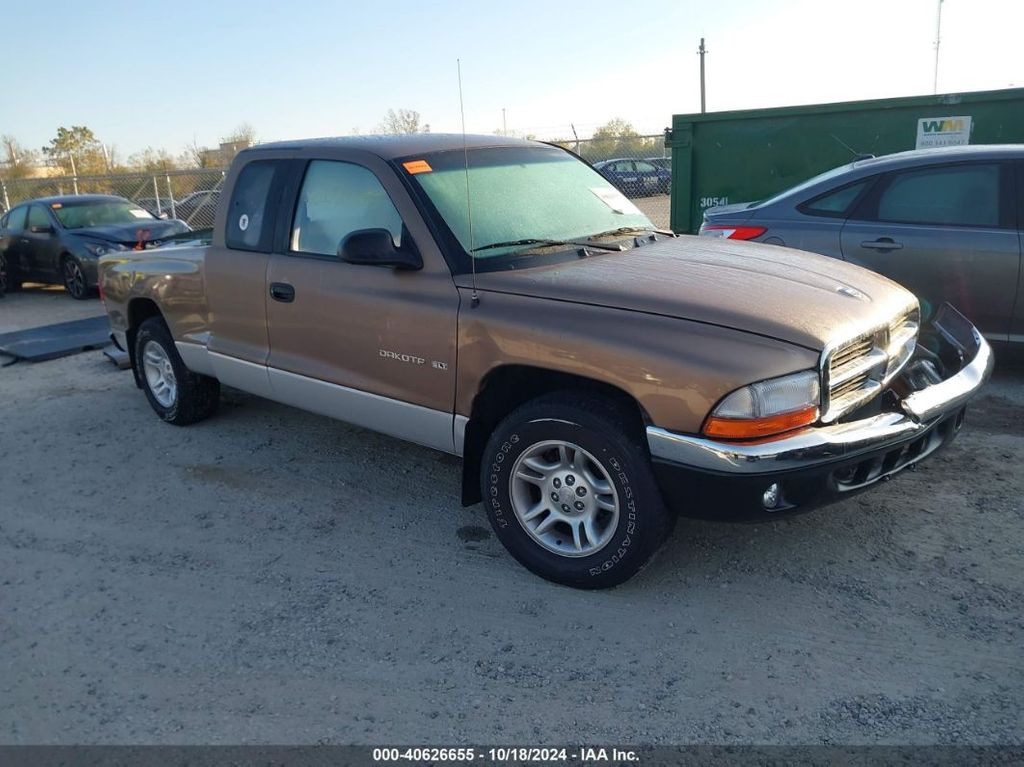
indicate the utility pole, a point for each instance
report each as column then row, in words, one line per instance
column 702, row 50
column 504, row 125
column 938, row 39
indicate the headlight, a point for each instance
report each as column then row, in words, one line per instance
column 767, row 408
column 102, row 248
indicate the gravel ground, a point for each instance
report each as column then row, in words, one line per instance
column 656, row 208
column 270, row 576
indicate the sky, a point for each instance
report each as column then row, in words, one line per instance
column 166, row 74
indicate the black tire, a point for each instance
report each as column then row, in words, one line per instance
column 3, row 275
column 73, row 274
column 196, row 396
column 601, row 429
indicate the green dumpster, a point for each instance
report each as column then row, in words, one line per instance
column 727, row 157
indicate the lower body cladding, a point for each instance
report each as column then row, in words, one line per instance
column 819, row 465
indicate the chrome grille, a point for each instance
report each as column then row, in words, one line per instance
column 855, row 371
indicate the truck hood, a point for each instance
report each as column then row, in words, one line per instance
column 782, row 293
column 132, row 233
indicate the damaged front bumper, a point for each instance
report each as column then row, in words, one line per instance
column 819, row 464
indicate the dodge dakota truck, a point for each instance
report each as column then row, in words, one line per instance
column 499, row 300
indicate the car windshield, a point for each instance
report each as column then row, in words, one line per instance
column 525, row 196
column 78, row 215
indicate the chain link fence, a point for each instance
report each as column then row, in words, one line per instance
column 189, row 195
column 640, row 166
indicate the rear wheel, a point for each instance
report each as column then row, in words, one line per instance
column 175, row 393
column 74, row 278
column 569, row 491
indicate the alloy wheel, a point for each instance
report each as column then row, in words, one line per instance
column 159, row 372
column 74, row 278
column 564, row 498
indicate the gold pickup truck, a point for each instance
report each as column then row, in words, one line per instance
column 499, row 300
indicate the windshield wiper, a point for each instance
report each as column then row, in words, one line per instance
column 631, row 230
column 537, row 241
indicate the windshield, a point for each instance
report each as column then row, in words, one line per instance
column 77, row 215
column 517, row 194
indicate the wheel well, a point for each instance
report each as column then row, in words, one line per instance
column 509, row 386
column 139, row 310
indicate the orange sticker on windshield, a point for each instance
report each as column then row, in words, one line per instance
column 56, row 205
column 417, row 166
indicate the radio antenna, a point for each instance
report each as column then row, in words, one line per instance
column 475, row 299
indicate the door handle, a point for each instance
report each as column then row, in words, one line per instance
column 882, row 243
column 282, row 291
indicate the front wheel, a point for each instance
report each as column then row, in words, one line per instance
column 175, row 393
column 74, row 279
column 569, row 491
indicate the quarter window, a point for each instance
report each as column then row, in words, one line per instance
column 339, row 198
column 248, row 210
column 16, row 222
column 837, row 203
column 959, row 195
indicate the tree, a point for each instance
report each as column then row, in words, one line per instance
column 616, row 138
column 515, row 134
column 17, row 161
column 150, row 159
column 244, row 135
column 76, row 151
column 194, row 156
column 402, row 121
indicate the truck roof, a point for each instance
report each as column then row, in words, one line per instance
column 391, row 146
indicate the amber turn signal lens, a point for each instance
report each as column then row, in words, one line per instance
column 756, row 428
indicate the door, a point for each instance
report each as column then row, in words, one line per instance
column 1017, row 324
column 648, row 181
column 235, row 275
column 946, row 233
column 368, row 344
column 40, row 249
column 12, row 226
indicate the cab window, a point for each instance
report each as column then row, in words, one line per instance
column 247, row 218
column 338, row 198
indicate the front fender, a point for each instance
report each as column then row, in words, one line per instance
column 677, row 370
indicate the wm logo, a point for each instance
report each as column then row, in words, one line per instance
column 942, row 126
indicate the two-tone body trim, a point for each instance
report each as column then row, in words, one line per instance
column 424, row 426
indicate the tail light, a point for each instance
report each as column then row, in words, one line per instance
column 729, row 232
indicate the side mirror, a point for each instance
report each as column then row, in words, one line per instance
column 375, row 247
column 41, row 230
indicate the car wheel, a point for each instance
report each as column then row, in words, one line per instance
column 74, row 278
column 3, row 275
column 569, row 491
column 175, row 393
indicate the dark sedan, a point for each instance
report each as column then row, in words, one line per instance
column 637, row 178
column 945, row 223
column 198, row 208
column 59, row 239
